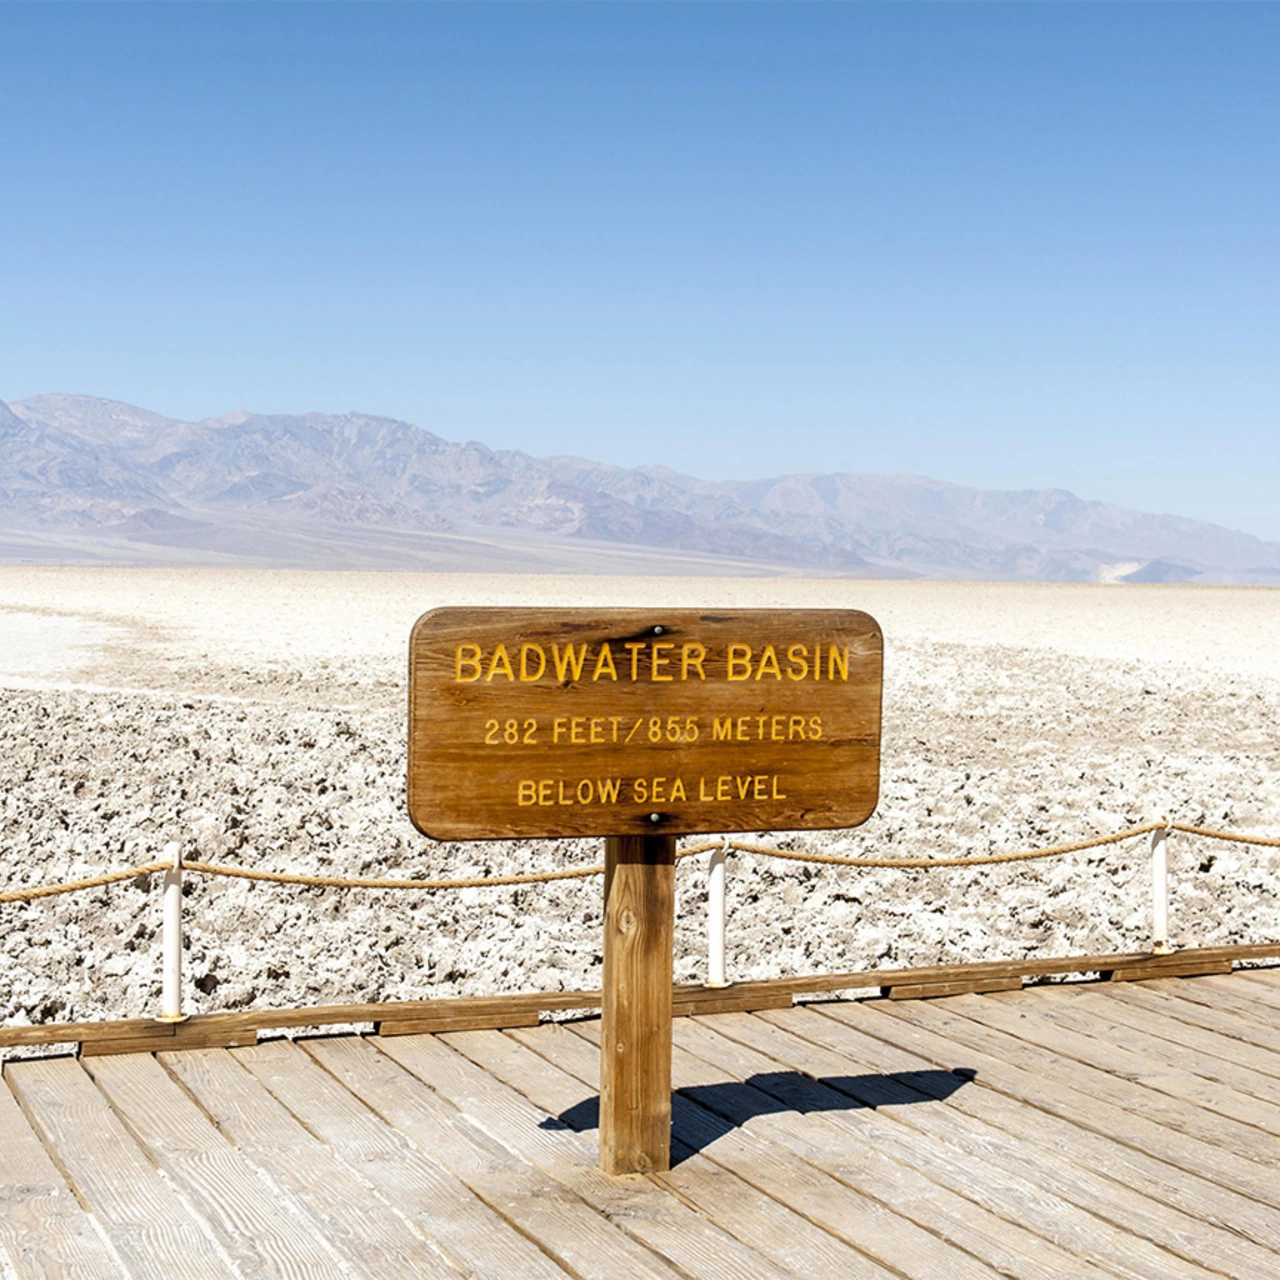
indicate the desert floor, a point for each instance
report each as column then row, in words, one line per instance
column 259, row 717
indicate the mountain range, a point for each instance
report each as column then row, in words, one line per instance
column 92, row 481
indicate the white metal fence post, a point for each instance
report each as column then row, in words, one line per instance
column 1160, row 890
column 716, row 916
column 171, row 983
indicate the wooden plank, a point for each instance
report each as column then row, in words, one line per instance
column 643, row 1210
column 1206, row 1032
column 726, row 1000
column 1260, row 985
column 357, row 1222
column 44, row 1233
column 1220, row 1009
column 453, row 1186
column 258, row 1224
column 635, row 1068
column 932, row 990
column 150, row 1227
column 1187, row 969
column 1202, row 1180
column 870, row 1071
column 671, row 720
column 557, row 1070
column 477, row 1022
column 1183, row 1134
column 1094, row 1036
column 1018, row 1214
column 182, row 1036
column 566, row 1228
column 1125, row 1186
column 850, row 1188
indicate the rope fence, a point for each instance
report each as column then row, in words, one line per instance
column 583, row 873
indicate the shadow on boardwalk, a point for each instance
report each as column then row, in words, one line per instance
column 724, row 1107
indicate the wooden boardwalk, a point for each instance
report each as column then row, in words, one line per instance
column 1099, row 1130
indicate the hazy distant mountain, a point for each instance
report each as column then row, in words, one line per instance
column 89, row 480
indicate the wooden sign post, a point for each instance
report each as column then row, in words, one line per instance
column 641, row 726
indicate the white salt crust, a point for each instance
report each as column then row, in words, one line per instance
column 260, row 718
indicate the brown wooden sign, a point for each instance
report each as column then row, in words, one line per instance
column 576, row 722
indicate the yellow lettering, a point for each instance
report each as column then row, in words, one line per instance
column 585, row 797
column 744, row 787
column 739, row 662
column 795, row 728
column 562, row 799
column 760, row 727
column 558, row 726
column 659, row 661
column 544, row 792
column 677, row 790
column 722, row 787
column 604, row 661
column 743, row 735
column 768, row 664
column 608, row 788
column 775, row 728
column 526, row 793
column 722, row 729
column 656, row 793
column 525, row 651
column 691, row 656
column 777, row 795
column 702, row 790
column 797, row 662
column 569, row 662
column 597, row 730
column 634, row 646
column 500, row 656
column 835, row 659
column 615, row 721
column 466, row 655
column 815, row 727
column 640, row 791
column 758, row 789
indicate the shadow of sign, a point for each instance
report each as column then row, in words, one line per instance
column 703, row 1113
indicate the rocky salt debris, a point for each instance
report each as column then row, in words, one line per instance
column 986, row 748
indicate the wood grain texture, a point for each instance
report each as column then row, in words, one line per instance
column 1158, row 1067
column 357, row 1222
column 1043, row 1048
column 439, row 1173
column 1187, row 967
column 635, row 1065
column 258, row 1224
column 991, row 1208
column 1059, row 1087
column 473, row 1022
column 1132, row 1195
column 557, row 1071
column 560, row 722
column 960, row 987
column 150, row 1227
column 1203, row 1182
column 644, row 1211
column 854, row 1193
column 44, row 1233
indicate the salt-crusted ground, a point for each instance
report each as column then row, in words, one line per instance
column 259, row 718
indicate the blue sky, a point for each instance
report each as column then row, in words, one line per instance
column 1018, row 246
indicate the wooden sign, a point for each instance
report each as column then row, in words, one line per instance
column 575, row 722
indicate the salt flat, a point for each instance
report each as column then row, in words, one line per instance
column 259, row 717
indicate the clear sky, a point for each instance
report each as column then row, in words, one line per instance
column 1022, row 245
